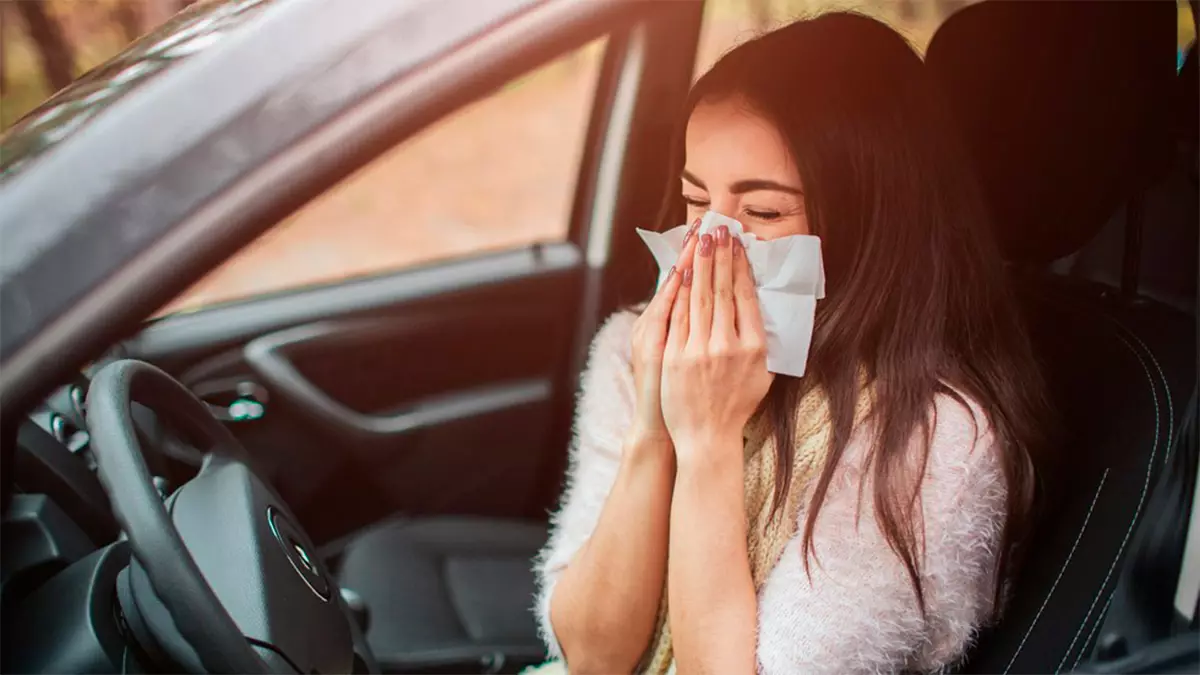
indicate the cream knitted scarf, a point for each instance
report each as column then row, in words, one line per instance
column 766, row 537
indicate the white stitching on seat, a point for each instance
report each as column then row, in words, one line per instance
column 1095, row 627
column 1145, row 487
column 1132, row 521
column 1166, row 385
column 1071, row 553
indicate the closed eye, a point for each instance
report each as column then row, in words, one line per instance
column 694, row 201
column 763, row 215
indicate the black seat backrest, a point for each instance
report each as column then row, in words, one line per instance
column 1064, row 107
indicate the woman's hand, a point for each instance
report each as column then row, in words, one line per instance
column 649, row 340
column 715, row 362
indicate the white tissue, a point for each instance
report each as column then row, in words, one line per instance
column 789, row 277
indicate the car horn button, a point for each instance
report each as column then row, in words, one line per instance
column 297, row 552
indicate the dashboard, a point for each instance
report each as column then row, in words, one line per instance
column 62, row 544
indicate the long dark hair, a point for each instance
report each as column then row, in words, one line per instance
column 917, row 293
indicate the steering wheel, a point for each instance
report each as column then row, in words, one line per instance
column 222, row 578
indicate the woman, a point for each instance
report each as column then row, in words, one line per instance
column 862, row 518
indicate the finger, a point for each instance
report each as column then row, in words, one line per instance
column 658, row 312
column 688, row 238
column 745, row 296
column 700, row 325
column 724, row 319
column 677, row 334
column 660, row 304
column 688, row 252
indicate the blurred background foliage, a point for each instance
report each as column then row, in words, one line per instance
column 540, row 117
column 45, row 44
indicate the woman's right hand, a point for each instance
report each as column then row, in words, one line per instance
column 649, row 339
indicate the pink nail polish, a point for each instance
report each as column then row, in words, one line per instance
column 687, row 277
column 737, row 249
column 691, row 231
column 670, row 273
column 706, row 245
column 722, row 236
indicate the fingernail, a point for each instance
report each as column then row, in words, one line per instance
column 670, row 272
column 737, row 249
column 706, row 245
column 723, row 236
column 687, row 277
column 691, row 230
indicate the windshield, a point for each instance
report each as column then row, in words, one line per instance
column 190, row 32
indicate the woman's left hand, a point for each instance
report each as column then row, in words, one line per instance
column 715, row 363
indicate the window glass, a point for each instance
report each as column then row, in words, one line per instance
column 188, row 33
column 500, row 173
column 1186, row 32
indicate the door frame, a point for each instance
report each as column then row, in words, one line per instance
column 263, row 196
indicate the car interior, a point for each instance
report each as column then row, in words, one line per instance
column 417, row 424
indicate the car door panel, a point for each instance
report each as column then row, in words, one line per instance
column 390, row 395
column 445, row 388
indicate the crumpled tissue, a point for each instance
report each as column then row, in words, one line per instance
column 789, row 277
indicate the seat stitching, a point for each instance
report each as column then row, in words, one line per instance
column 1145, row 487
column 1162, row 378
column 1133, row 334
column 1067, row 562
column 1095, row 627
column 1132, row 521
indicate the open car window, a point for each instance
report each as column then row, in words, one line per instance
column 188, row 33
column 497, row 174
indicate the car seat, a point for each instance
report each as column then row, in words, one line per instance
column 1065, row 109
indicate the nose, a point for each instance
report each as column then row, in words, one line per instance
column 726, row 205
column 730, row 205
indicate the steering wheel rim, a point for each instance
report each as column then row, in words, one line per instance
column 199, row 615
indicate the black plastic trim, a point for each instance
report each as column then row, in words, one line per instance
column 182, row 335
column 267, row 357
column 70, row 624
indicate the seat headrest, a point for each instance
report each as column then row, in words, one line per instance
column 1064, row 107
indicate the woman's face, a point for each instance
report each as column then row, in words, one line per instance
column 739, row 166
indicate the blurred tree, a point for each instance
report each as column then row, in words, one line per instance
column 947, row 7
column 128, row 15
column 761, row 11
column 4, row 38
column 57, row 57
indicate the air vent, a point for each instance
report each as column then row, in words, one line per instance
column 65, row 432
column 79, row 401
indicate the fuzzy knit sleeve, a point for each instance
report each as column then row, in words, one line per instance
column 858, row 612
column 603, row 414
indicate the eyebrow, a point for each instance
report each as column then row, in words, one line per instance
column 744, row 186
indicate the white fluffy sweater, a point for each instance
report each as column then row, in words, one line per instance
column 858, row 614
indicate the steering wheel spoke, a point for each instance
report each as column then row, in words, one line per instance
column 224, row 556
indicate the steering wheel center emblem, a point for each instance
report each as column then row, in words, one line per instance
column 297, row 553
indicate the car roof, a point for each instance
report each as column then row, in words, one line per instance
column 88, row 205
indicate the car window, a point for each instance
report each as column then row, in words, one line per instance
column 498, row 174
column 188, row 33
column 728, row 23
